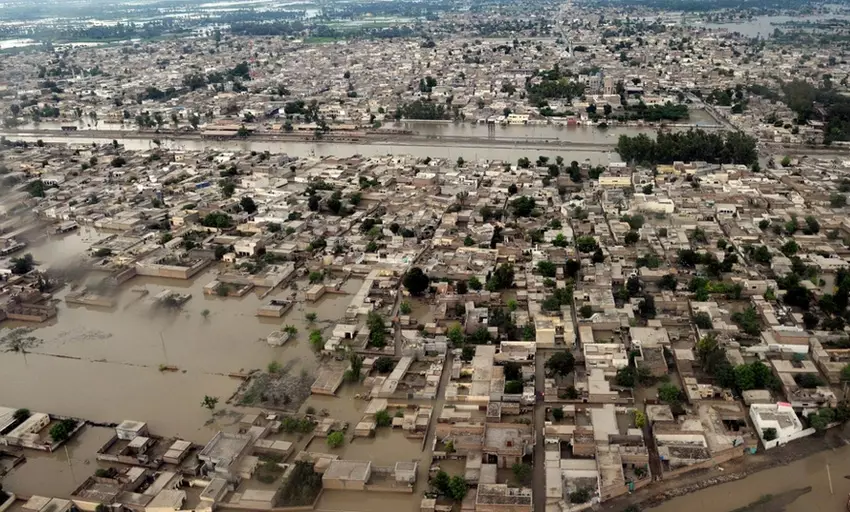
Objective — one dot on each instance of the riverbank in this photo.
(386, 139)
(761, 463)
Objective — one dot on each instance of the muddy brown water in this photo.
(811, 471)
(103, 364)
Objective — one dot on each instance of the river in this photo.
(511, 142)
(811, 471)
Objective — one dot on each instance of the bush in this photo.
(580, 496)
(383, 419)
(384, 364)
(335, 439)
(513, 387)
(769, 434)
(62, 430)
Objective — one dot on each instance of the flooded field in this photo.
(103, 364)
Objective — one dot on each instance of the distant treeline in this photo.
(692, 145)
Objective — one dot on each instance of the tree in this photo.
(647, 307)
(416, 281)
(384, 364)
(209, 402)
(810, 320)
(640, 419)
(512, 189)
(669, 393)
(631, 238)
(668, 282)
(513, 387)
(405, 308)
(21, 414)
(248, 205)
(703, 320)
(455, 334)
(586, 244)
(561, 363)
(457, 488)
(383, 419)
(586, 311)
(22, 265)
(522, 472)
(377, 329)
(475, 283)
(558, 413)
(580, 496)
(546, 268)
(335, 439)
(62, 431)
(441, 482)
(769, 434)
(523, 206)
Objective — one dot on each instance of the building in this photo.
(781, 418)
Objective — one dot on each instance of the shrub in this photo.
(335, 439)
(383, 419)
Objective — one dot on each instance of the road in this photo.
(538, 486)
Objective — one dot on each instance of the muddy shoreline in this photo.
(660, 491)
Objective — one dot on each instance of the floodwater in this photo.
(811, 471)
(67, 468)
(765, 25)
(103, 365)
(469, 151)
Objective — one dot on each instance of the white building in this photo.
(780, 417)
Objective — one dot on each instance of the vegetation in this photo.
(377, 330)
(62, 430)
(727, 147)
(560, 363)
(209, 402)
(22, 265)
(522, 472)
(383, 418)
(335, 439)
(416, 281)
(302, 488)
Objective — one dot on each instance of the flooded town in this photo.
(433, 256)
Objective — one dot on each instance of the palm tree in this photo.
(461, 197)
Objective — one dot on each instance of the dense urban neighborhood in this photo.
(500, 258)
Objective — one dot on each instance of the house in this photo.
(223, 454)
(347, 475)
(778, 423)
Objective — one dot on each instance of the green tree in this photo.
(669, 393)
(405, 308)
(522, 472)
(441, 482)
(335, 439)
(209, 402)
(416, 281)
(62, 430)
(248, 205)
(475, 283)
(560, 363)
(457, 488)
(383, 419)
